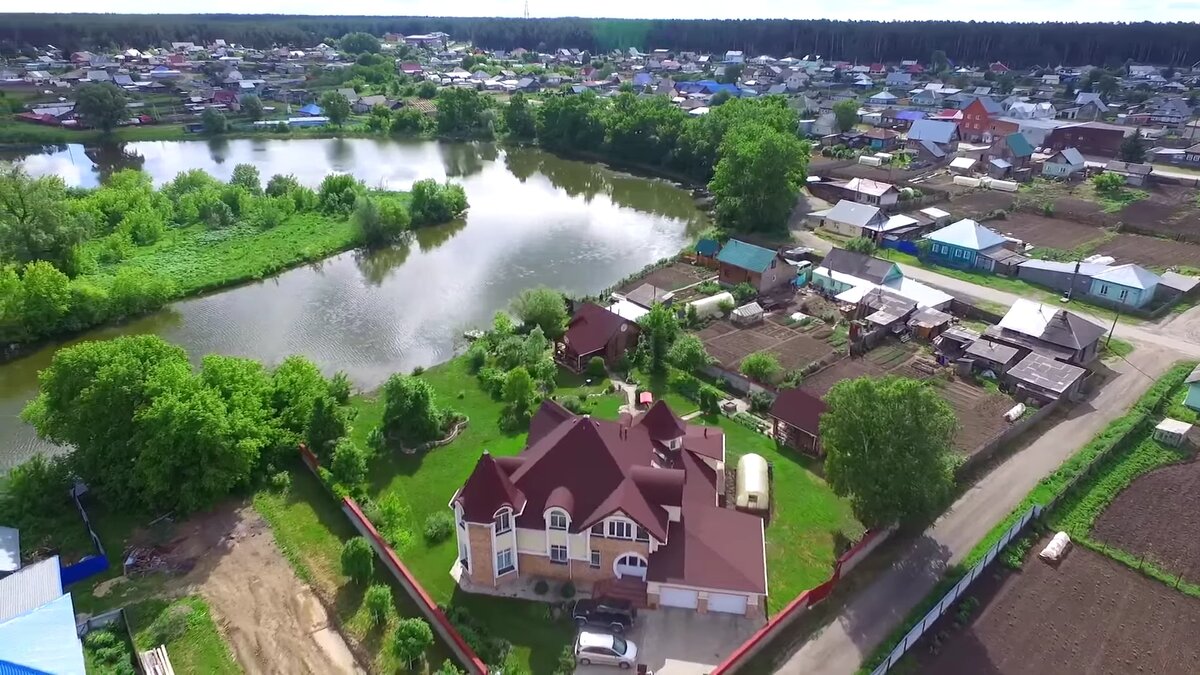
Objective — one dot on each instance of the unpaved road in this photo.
(271, 619)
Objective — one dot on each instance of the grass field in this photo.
(200, 649)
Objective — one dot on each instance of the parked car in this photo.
(615, 615)
(604, 649)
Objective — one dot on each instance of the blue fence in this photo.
(90, 565)
(901, 245)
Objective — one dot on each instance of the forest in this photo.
(1016, 44)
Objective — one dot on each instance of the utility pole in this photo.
(1114, 325)
(526, 9)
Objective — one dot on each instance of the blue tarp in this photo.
(42, 640)
(311, 109)
(88, 567)
(901, 245)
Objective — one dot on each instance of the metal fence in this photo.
(90, 565)
(948, 600)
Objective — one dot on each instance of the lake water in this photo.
(535, 219)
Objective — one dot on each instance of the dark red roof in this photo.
(487, 490)
(547, 417)
(705, 441)
(713, 548)
(661, 423)
(800, 409)
(592, 327)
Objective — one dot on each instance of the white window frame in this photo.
(503, 515)
(559, 514)
(620, 529)
(566, 555)
(594, 560)
(512, 562)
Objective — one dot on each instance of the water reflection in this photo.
(429, 238)
(376, 264)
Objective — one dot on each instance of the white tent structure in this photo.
(753, 490)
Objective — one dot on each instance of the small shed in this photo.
(1169, 431)
(748, 314)
(753, 491)
(992, 356)
(928, 322)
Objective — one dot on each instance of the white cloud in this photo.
(887, 10)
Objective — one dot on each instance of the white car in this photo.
(604, 649)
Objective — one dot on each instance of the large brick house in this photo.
(636, 502)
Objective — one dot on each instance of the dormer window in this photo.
(558, 520)
(503, 521)
(620, 529)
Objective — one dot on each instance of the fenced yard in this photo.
(795, 347)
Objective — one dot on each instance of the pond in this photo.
(535, 219)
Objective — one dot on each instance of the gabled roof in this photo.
(968, 234)
(1019, 145)
(592, 327)
(867, 186)
(800, 409)
(713, 548)
(853, 213)
(858, 265)
(746, 256)
(1071, 155)
(487, 490)
(1051, 324)
(1130, 276)
(932, 130)
(661, 423)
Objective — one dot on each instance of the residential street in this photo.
(874, 612)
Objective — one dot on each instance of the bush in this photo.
(339, 387)
(596, 367)
(378, 601)
(492, 381)
(358, 560)
(449, 668)
(169, 625)
(349, 464)
(438, 527)
(476, 358)
(760, 402)
(434, 203)
(744, 292)
(574, 404)
(541, 587)
(281, 185)
(493, 650)
(726, 306)
(338, 193)
(410, 640)
(760, 366)
(567, 590)
(281, 482)
(566, 661)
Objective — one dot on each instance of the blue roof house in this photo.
(739, 262)
(37, 623)
(1130, 285)
(964, 245)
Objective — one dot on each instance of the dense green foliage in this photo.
(888, 448)
(148, 432)
(758, 177)
(463, 112)
(336, 107)
(107, 653)
(101, 105)
(358, 560)
(410, 640)
(378, 601)
(761, 366)
(845, 113)
(434, 202)
(660, 328)
(359, 43)
(519, 119)
(1016, 44)
(688, 353)
(543, 307)
(411, 414)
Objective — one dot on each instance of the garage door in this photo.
(724, 602)
(677, 597)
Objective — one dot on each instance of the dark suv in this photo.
(615, 615)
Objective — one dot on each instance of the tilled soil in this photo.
(271, 619)
(1089, 615)
(1157, 517)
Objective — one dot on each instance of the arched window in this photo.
(557, 519)
(503, 520)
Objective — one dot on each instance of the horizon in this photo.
(1029, 11)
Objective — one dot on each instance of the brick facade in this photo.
(479, 538)
(535, 565)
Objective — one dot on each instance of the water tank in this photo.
(753, 491)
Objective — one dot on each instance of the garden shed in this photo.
(748, 314)
(753, 491)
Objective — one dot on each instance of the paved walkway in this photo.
(871, 615)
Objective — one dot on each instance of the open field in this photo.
(1047, 232)
(1151, 516)
(873, 365)
(1088, 615)
(794, 347)
(1152, 251)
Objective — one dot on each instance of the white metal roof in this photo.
(1131, 276)
(29, 588)
(1174, 426)
(968, 234)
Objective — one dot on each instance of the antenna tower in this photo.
(526, 9)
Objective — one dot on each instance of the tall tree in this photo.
(36, 221)
(460, 111)
(688, 353)
(845, 113)
(411, 415)
(758, 177)
(542, 307)
(660, 328)
(336, 107)
(1133, 148)
(359, 43)
(518, 118)
(101, 105)
(252, 106)
(888, 448)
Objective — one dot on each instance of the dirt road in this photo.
(271, 619)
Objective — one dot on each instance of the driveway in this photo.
(682, 642)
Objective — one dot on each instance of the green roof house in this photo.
(1193, 390)
(739, 262)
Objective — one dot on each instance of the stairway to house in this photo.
(633, 590)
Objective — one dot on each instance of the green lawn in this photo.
(200, 649)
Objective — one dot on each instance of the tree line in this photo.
(1017, 44)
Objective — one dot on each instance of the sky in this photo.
(888, 10)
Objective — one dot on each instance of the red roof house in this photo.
(595, 331)
(796, 420)
(999, 68)
(635, 502)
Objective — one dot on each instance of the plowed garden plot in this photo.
(978, 203)
(794, 347)
(1157, 517)
(877, 363)
(980, 414)
(800, 351)
(672, 277)
(1151, 251)
(1046, 232)
(731, 348)
(1091, 614)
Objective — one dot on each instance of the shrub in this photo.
(760, 401)
(378, 601)
(744, 292)
(760, 366)
(169, 625)
(281, 482)
(338, 193)
(339, 387)
(726, 306)
(438, 527)
(358, 560)
(492, 380)
(596, 367)
(493, 650)
(434, 203)
(449, 668)
(281, 185)
(574, 404)
(410, 640)
(349, 464)
(541, 587)
(476, 357)
(567, 590)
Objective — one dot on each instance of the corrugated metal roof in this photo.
(44, 640)
(968, 234)
(29, 588)
(746, 256)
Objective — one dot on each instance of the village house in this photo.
(796, 420)
(1089, 138)
(977, 119)
(1127, 285)
(1063, 164)
(1051, 331)
(853, 277)
(849, 219)
(966, 244)
(762, 268)
(633, 506)
(932, 139)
